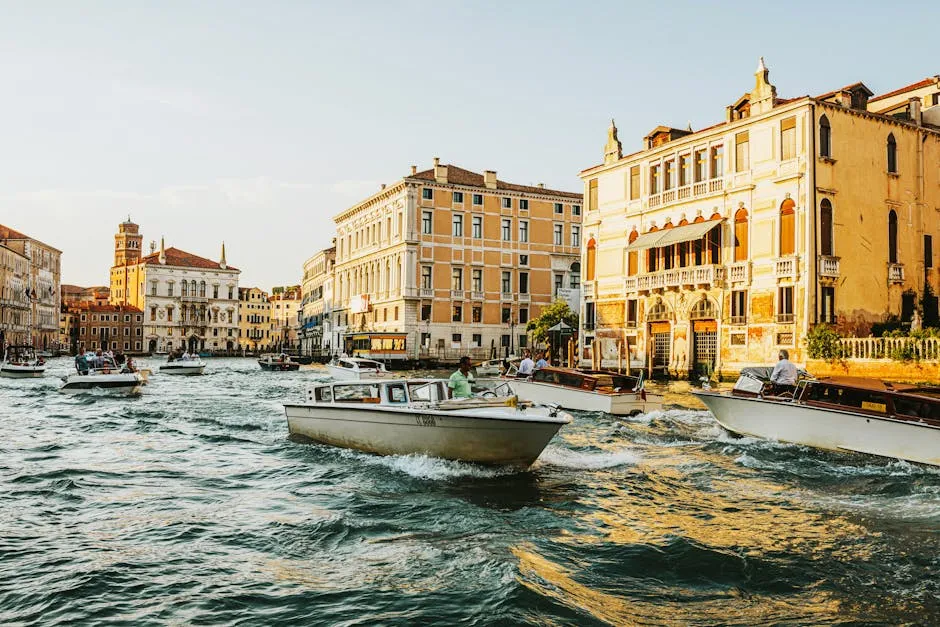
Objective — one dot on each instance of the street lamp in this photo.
(512, 336)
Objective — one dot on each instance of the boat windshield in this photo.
(356, 393)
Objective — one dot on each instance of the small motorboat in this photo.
(416, 417)
(357, 368)
(854, 414)
(184, 365)
(494, 367)
(22, 362)
(278, 363)
(587, 390)
(94, 372)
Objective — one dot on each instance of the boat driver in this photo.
(459, 382)
(784, 375)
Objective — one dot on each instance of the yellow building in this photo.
(14, 302)
(42, 288)
(316, 331)
(189, 302)
(720, 246)
(447, 262)
(254, 320)
(285, 320)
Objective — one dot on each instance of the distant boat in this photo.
(22, 362)
(356, 368)
(184, 366)
(278, 363)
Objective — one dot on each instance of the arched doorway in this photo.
(704, 318)
(152, 346)
(193, 344)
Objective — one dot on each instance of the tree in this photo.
(550, 316)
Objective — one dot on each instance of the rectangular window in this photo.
(458, 198)
(504, 341)
(153, 288)
(426, 222)
(478, 227)
(928, 251)
(575, 210)
(478, 199)
(828, 298)
(169, 288)
(476, 314)
(425, 312)
(458, 225)
(575, 281)
(427, 193)
(477, 341)
(523, 282)
(456, 282)
(589, 321)
(785, 304)
(741, 152)
(559, 235)
(455, 340)
(575, 236)
(788, 138)
(559, 208)
(215, 291)
(634, 182)
(506, 282)
(685, 170)
(654, 178)
(558, 282)
(523, 204)
(700, 162)
(523, 260)
(717, 161)
(507, 230)
(669, 174)
(477, 278)
(507, 203)
(457, 314)
(506, 315)
(631, 313)
(739, 307)
(523, 230)
(426, 277)
(592, 194)
(523, 315)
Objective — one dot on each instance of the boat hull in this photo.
(345, 374)
(406, 431)
(621, 404)
(187, 370)
(128, 383)
(22, 372)
(826, 429)
(276, 367)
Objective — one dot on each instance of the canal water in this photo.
(189, 505)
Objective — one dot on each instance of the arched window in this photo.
(658, 312)
(703, 310)
(825, 137)
(713, 240)
(185, 287)
(632, 261)
(892, 154)
(740, 235)
(892, 237)
(574, 275)
(787, 227)
(591, 258)
(825, 227)
(192, 287)
(202, 289)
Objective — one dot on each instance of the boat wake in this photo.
(430, 468)
(585, 460)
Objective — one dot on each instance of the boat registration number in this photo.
(424, 420)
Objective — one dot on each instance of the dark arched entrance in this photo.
(193, 344)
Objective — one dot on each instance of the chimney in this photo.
(414, 170)
(914, 109)
(162, 257)
(845, 98)
(383, 186)
(489, 179)
(541, 185)
(440, 171)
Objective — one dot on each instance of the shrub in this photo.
(904, 351)
(822, 342)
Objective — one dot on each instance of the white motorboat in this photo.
(356, 369)
(837, 413)
(414, 416)
(184, 366)
(101, 373)
(587, 390)
(278, 363)
(494, 367)
(22, 362)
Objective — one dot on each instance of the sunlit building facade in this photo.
(43, 276)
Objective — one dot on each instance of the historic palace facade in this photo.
(14, 302)
(41, 289)
(315, 321)
(187, 301)
(254, 320)
(447, 261)
(715, 248)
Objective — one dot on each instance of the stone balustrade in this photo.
(885, 347)
(828, 266)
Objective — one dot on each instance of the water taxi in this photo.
(415, 416)
(357, 368)
(188, 366)
(277, 363)
(587, 390)
(101, 373)
(22, 362)
(853, 414)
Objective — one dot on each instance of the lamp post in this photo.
(512, 336)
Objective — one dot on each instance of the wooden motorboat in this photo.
(22, 362)
(587, 390)
(415, 416)
(855, 414)
(277, 363)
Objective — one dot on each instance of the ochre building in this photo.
(41, 289)
(715, 248)
(446, 262)
(254, 320)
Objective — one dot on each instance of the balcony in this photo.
(784, 318)
(740, 272)
(475, 295)
(525, 298)
(458, 294)
(687, 192)
(739, 320)
(676, 278)
(426, 292)
(828, 267)
(786, 267)
(895, 273)
(506, 296)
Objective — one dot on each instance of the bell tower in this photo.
(127, 243)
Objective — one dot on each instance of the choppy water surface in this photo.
(189, 505)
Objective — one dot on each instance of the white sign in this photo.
(360, 304)
(570, 295)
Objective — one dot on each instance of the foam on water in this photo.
(425, 467)
(587, 460)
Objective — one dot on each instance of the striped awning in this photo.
(665, 237)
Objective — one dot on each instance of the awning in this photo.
(665, 237)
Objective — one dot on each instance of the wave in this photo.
(584, 460)
(431, 468)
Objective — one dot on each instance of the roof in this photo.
(852, 87)
(927, 82)
(864, 383)
(93, 308)
(8, 233)
(459, 176)
(182, 259)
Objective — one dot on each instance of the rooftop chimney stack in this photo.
(489, 179)
(414, 170)
(915, 111)
(541, 185)
(440, 171)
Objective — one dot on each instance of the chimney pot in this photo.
(383, 186)
(414, 170)
(489, 179)
(437, 161)
(541, 185)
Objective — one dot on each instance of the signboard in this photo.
(570, 295)
(360, 304)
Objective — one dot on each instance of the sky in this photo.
(254, 123)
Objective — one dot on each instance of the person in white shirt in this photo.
(186, 356)
(526, 366)
(784, 375)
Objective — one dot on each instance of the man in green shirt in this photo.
(460, 381)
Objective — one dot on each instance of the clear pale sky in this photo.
(256, 122)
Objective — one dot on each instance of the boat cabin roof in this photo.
(392, 392)
(600, 380)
